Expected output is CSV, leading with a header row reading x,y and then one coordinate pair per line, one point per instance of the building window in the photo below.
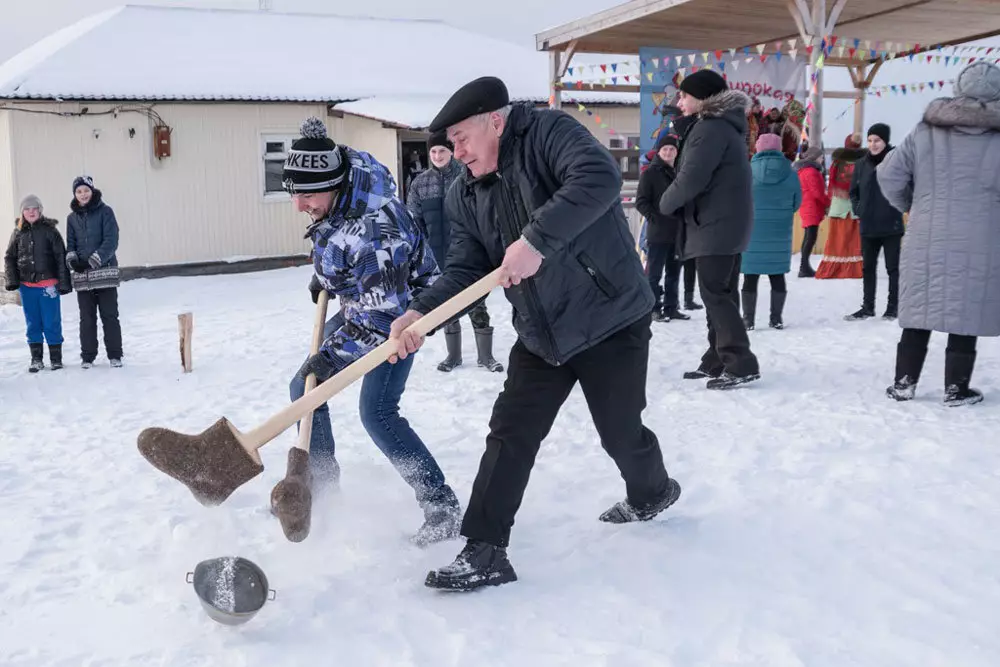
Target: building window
x,y
626,152
274,150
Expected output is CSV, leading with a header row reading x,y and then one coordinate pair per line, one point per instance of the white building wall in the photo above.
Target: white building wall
x,y
8,198
203,203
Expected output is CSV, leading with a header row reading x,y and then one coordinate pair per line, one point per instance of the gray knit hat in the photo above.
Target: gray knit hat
x,y
980,81
31,201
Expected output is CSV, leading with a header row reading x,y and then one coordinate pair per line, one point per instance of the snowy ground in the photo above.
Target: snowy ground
x,y
820,524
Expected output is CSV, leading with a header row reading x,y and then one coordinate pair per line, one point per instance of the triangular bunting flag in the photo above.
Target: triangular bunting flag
x,y
868,45
579,85
718,54
748,60
777,56
614,67
792,42
614,80
597,118
940,84
626,78
794,53
931,84
851,51
857,42
570,71
656,63
732,53
736,64
683,72
722,66
604,68
840,50
679,59
704,56
746,50
760,48
580,107
692,57
649,75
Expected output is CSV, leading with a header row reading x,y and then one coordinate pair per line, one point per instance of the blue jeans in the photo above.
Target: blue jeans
x,y
381,390
43,314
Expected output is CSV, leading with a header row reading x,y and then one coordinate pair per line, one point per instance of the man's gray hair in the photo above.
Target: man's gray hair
x,y
503,112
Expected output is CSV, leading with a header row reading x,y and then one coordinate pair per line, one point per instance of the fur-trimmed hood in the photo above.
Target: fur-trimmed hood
x,y
848,155
729,105
971,115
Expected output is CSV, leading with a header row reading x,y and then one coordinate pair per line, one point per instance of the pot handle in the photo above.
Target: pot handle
x,y
273,593
189,577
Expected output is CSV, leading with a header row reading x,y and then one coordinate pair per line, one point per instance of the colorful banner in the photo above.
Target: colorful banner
x,y
773,81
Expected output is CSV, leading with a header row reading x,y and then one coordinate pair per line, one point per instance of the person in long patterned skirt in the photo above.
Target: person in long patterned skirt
x,y
842,250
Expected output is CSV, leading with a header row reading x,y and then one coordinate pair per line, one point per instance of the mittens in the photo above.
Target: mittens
x,y
95,261
71,258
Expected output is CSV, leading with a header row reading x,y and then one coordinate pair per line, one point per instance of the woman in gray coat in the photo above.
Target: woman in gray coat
x,y
947,174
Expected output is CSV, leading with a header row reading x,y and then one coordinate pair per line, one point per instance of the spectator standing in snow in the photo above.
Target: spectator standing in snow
x,y
541,199
815,204
946,173
713,190
92,246
881,226
776,197
368,252
425,200
842,250
662,231
35,264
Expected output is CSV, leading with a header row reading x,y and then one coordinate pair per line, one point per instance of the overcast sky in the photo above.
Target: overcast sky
x,y
25,21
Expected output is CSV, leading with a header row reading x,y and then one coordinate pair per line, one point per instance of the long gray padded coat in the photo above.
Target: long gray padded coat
x,y
946,173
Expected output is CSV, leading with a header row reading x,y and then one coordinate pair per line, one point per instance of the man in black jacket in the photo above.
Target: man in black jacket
x,y
881,226
661,230
713,188
541,198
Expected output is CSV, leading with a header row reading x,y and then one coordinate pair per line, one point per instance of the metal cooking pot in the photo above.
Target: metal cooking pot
x,y
231,589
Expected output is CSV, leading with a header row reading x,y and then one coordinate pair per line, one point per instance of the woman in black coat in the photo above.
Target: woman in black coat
x,y
35,264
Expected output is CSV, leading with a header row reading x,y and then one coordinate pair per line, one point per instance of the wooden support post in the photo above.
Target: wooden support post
x,y
185,324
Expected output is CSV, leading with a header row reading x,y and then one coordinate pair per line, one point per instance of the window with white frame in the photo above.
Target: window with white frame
x,y
274,150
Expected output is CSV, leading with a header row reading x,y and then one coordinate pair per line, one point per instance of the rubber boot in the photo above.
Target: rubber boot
x,y
55,357
484,350
958,368
777,309
37,358
749,309
909,365
453,340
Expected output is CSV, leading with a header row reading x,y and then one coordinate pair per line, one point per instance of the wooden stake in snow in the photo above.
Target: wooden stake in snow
x,y
185,325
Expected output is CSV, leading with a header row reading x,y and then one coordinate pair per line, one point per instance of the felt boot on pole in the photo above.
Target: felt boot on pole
x,y
219,460
291,498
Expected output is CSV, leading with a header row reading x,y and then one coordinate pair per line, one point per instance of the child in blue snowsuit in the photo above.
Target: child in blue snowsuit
x,y
368,252
35,264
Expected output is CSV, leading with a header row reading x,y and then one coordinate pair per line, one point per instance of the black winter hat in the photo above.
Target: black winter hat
x,y
440,138
666,139
482,95
314,162
83,180
703,84
880,130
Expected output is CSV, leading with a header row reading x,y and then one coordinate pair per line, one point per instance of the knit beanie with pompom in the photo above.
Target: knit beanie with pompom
x,y
315,163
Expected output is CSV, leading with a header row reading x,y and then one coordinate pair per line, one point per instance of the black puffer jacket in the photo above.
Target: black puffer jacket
x,y
714,184
652,184
878,217
425,201
560,188
36,253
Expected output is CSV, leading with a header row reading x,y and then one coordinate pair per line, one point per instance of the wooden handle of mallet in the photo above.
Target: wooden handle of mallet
x,y
263,434
319,325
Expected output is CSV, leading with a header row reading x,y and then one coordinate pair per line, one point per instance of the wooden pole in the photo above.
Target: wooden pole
x,y
185,324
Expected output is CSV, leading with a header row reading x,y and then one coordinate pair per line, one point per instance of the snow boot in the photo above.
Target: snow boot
x,y
958,368
484,350
749,309
442,519
453,340
659,315
731,381
703,373
55,357
891,313
37,358
909,365
671,315
863,314
478,564
689,303
777,309
625,512
116,363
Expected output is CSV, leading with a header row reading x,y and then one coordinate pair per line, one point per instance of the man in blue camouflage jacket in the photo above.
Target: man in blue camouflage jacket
x,y
368,252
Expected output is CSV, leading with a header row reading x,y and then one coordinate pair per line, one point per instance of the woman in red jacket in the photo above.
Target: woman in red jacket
x,y
815,203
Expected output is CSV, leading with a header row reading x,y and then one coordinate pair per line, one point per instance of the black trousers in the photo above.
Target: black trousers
x,y
612,375
728,344
919,338
105,301
870,247
665,268
690,275
752,280
809,236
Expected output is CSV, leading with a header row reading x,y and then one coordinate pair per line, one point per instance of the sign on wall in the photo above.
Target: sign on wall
x,y
773,80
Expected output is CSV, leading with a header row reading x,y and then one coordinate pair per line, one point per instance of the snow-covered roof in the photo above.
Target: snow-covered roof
x,y
398,70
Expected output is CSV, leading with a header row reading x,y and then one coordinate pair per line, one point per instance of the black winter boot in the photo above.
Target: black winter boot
x,y
958,368
625,512
453,340
749,309
777,309
55,356
484,350
442,518
37,357
689,303
909,365
478,564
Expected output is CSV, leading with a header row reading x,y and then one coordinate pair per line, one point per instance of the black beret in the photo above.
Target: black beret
x,y
483,95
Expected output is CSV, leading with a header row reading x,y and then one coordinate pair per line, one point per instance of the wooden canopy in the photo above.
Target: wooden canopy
x,y
706,25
